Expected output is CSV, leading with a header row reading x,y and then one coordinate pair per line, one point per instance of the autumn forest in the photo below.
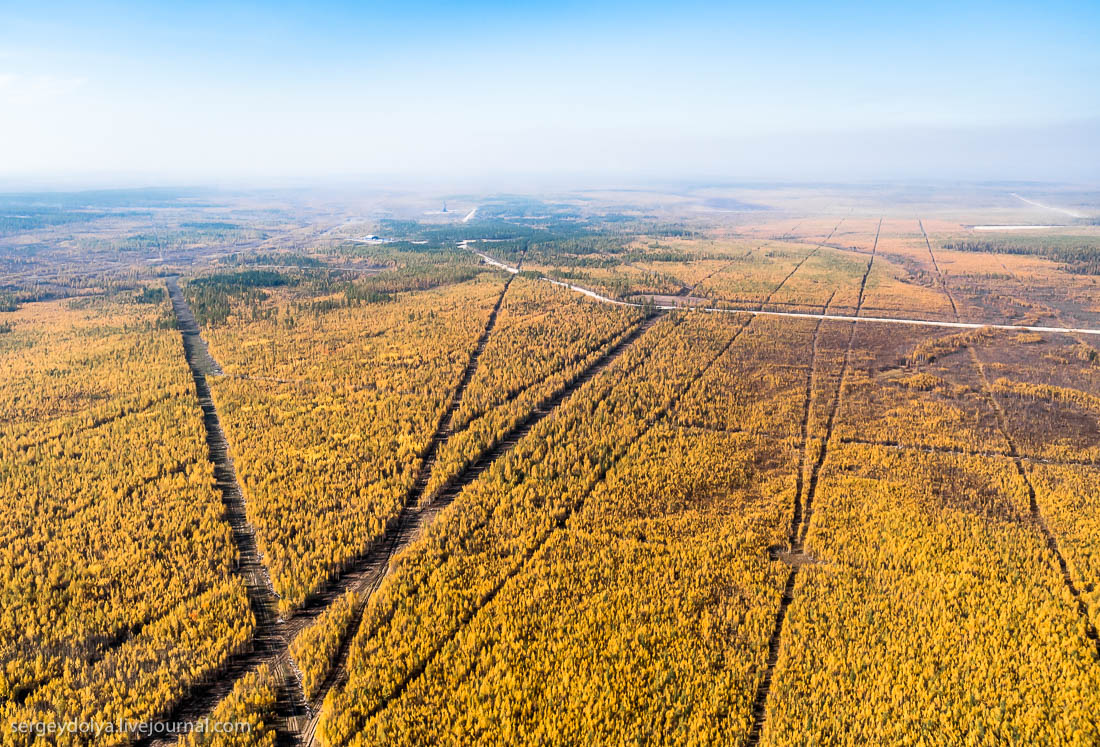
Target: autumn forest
x,y
573,471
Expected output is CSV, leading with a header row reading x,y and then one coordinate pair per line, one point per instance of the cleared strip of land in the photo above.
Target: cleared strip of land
x,y
796,314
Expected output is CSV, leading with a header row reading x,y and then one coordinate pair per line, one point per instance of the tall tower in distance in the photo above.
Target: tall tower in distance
x,y
444,206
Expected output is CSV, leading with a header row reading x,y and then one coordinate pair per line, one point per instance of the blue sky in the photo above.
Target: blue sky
x,y
268,92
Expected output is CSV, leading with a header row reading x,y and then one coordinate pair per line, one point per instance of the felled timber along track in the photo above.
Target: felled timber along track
x,y
270,638
198,355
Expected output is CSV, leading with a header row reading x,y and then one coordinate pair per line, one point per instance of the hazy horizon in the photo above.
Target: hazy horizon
x,y
288,94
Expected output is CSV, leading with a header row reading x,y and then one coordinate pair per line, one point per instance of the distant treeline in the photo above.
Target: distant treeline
x,y
211,225
150,295
210,296
560,238
214,297
384,286
442,235
243,279
290,260
1080,257
31,219
100,198
186,234
12,298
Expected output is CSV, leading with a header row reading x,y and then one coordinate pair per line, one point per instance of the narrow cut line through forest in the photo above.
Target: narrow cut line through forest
x,y
415,514
804,425
687,290
419,517
830,423
540,543
364,584
365,573
487,460
789,234
270,639
610,341
444,425
801,262
1091,634
300,712
931,449
804,498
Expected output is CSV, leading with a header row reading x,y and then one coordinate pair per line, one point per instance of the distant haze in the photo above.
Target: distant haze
x,y
469,92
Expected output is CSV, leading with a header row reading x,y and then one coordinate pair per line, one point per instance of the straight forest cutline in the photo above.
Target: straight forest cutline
x,y
411,518
420,669
391,542
837,394
1036,513
501,446
761,311
513,394
425,515
240,665
956,450
559,524
337,586
689,289
811,376
443,425
939,272
366,572
269,637
789,234
803,513
802,261
541,411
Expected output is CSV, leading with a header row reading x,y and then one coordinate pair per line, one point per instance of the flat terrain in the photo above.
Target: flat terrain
x,y
719,466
